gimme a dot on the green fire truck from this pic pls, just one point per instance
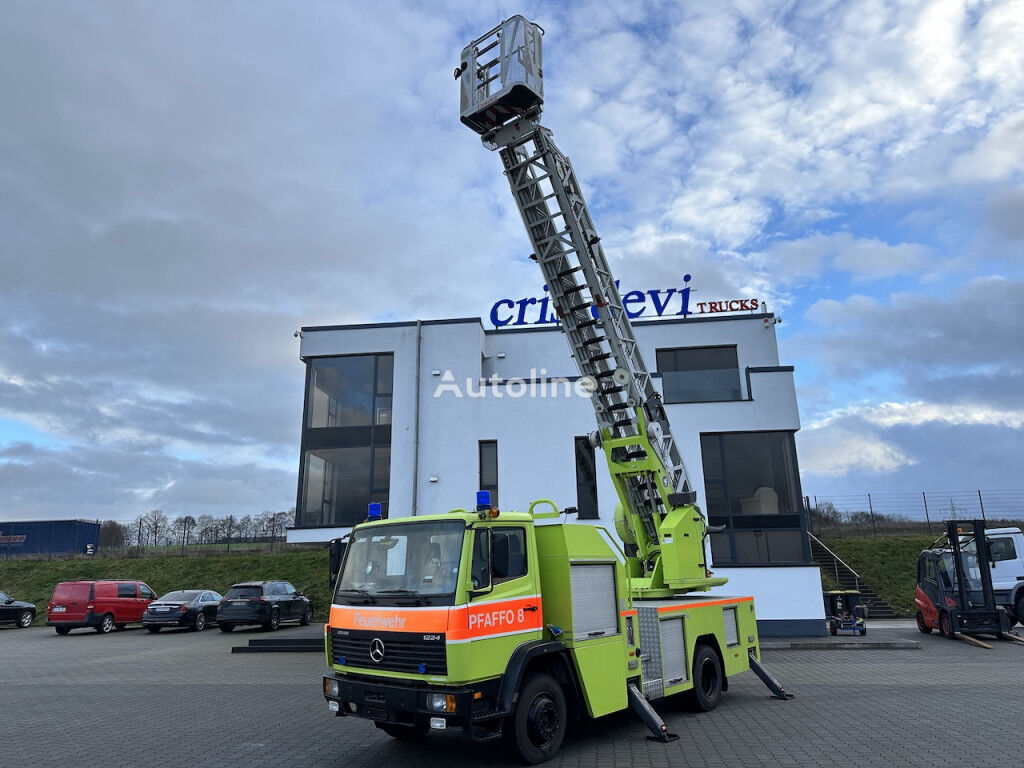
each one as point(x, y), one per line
point(511, 624)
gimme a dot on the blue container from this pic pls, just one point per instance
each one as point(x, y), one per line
point(50, 537)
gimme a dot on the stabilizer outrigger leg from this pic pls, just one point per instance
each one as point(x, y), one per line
point(646, 713)
point(773, 685)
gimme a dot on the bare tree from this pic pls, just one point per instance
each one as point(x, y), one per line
point(245, 526)
point(155, 523)
point(230, 524)
point(114, 535)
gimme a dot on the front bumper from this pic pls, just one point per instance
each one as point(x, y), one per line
point(401, 703)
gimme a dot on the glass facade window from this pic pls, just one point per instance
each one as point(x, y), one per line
point(346, 439)
point(752, 488)
point(699, 374)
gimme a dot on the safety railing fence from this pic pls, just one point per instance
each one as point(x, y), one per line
point(910, 512)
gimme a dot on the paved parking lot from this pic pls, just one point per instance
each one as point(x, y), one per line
point(181, 698)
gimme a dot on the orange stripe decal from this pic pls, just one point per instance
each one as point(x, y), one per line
point(708, 604)
point(500, 617)
point(389, 619)
point(459, 622)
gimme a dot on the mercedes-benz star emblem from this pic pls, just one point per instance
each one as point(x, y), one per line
point(377, 650)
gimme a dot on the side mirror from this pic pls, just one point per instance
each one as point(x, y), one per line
point(299, 594)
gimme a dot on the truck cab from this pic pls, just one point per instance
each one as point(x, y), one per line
point(1006, 550)
point(439, 621)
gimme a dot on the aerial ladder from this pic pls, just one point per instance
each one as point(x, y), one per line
point(502, 97)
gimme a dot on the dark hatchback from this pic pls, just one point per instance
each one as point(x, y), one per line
point(266, 603)
point(15, 611)
point(192, 608)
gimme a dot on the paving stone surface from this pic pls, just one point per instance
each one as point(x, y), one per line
point(182, 699)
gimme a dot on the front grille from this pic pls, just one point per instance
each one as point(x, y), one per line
point(403, 651)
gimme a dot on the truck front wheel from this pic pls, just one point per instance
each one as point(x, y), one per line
point(1019, 608)
point(537, 726)
point(707, 678)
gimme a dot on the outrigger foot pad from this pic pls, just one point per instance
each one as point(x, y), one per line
point(773, 685)
point(650, 718)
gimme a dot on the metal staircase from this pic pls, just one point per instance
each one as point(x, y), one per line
point(847, 578)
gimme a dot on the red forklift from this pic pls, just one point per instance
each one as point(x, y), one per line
point(954, 586)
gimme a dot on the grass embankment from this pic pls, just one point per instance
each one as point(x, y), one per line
point(34, 580)
point(887, 563)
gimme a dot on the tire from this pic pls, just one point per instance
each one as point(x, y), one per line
point(405, 732)
point(863, 631)
point(307, 616)
point(275, 621)
point(946, 624)
point(537, 726)
point(1018, 608)
point(62, 629)
point(707, 678)
point(106, 625)
point(200, 623)
point(832, 628)
point(226, 627)
point(922, 626)
point(153, 630)
point(25, 619)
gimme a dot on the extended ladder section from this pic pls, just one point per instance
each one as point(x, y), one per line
point(657, 513)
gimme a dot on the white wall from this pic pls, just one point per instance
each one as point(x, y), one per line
point(535, 435)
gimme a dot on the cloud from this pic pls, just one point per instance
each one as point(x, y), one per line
point(834, 452)
point(181, 189)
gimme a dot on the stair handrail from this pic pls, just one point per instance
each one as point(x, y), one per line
point(836, 560)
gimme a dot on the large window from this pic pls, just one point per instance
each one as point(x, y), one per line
point(489, 469)
point(586, 479)
point(346, 439)
point(751, 485)
point(699, 374)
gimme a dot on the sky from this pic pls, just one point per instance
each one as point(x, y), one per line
point(183, 185)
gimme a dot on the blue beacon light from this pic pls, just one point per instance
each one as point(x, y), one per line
point(483, 501)
point(373, 511)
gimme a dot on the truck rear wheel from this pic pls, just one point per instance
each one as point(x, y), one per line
point(537, 727)
point(707, 678)
point(1019, 608)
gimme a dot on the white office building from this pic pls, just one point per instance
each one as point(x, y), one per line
point(420, 415)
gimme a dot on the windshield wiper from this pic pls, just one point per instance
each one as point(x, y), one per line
point(356, 591)
point(411, 593)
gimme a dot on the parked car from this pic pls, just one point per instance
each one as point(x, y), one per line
point(266, 603)
point(194, 608)
point(102, 605)
point(16, 612)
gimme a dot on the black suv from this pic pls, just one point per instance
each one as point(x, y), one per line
point(266, 603)
point(15, 612)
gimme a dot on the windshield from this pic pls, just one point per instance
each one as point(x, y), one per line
point(181, 596)
point(247, 592)
point(404, 563)
point(3, 597)
point(948, 573)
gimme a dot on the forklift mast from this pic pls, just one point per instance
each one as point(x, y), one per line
point(973, 530)
point(502, 97)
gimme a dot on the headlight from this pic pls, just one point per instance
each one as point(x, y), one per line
point(441, 702)
point(330, 686)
